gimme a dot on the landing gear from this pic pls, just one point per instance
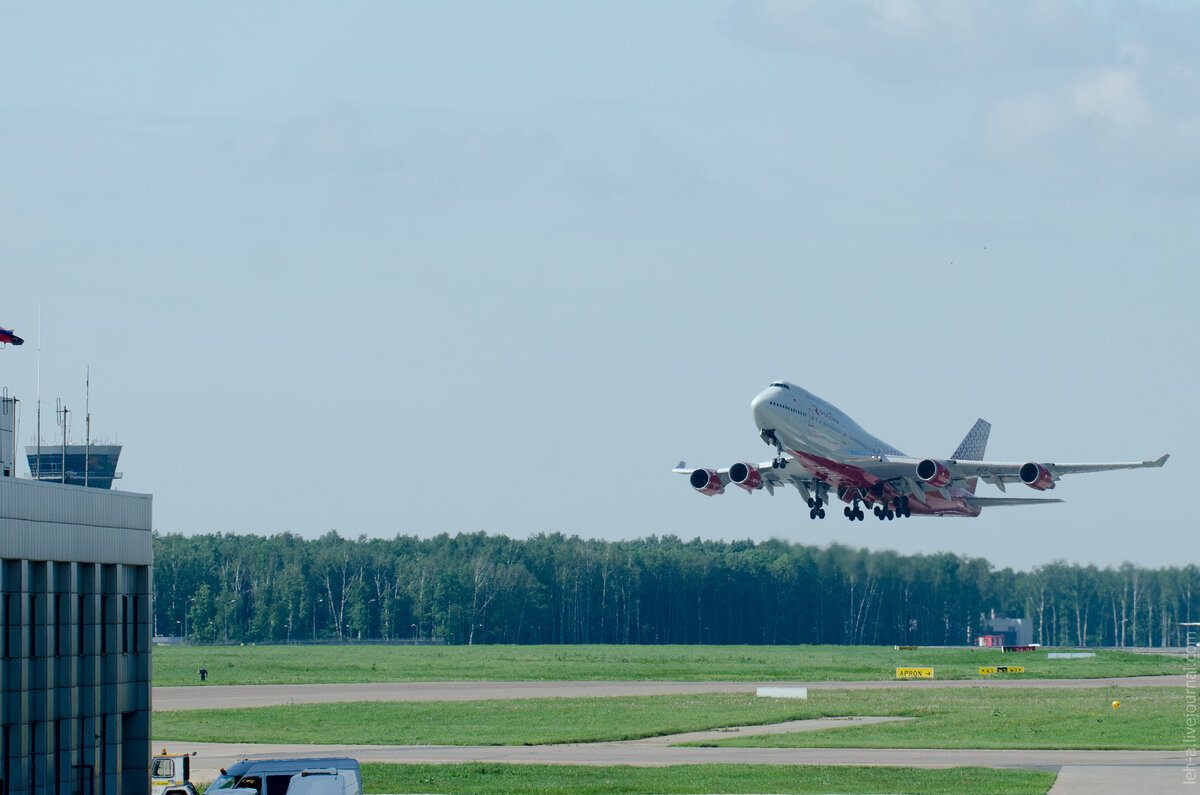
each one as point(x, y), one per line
point(816, 507)
point(901, 506)
point(768, 436)
point(854, 512)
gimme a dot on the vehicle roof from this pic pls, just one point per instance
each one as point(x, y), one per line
point(295, 765)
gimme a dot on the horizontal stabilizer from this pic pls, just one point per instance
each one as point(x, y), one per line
point(987, 502)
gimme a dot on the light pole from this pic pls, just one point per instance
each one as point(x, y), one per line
point(186, 609)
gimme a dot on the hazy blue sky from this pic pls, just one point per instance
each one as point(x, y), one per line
point(410, 268)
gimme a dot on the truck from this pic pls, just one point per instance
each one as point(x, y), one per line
point(170, 774)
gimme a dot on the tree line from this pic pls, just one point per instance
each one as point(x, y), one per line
point(479, 588)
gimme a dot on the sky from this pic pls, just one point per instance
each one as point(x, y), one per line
point(411, 268)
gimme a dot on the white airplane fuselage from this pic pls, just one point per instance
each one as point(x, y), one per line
point(825, 441)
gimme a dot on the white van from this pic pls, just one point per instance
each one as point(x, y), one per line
point(276, 777)
point(316, 782)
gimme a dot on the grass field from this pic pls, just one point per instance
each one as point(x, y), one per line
point(1149, 718)
point(565, 780)
point(944, 718)
point(244, 665)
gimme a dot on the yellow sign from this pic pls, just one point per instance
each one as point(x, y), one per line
point(914, 673)
point(1003, 669)
point(906, 648)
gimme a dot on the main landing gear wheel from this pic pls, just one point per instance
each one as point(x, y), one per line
point(853, 513)
point(816, 508)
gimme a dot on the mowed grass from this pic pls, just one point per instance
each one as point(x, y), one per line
point(977, 717)
point(253, 665)
point(492, 779)
point(515, 722)
point(1149, 718)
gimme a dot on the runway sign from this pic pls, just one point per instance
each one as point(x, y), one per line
point(1003, 669)
point(914, 673)
point(1020, 648)
point(906, 648)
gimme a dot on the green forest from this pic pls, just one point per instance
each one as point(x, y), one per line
point(479, 588)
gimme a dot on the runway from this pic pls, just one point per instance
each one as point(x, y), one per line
point(210, 756)
point(235, 696)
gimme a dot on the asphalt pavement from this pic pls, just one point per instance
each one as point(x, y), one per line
point(222, 696)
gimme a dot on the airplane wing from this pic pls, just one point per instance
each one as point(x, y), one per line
point(988, 502)
point(1040, 476)
point(771, 477)
point(1037, 474)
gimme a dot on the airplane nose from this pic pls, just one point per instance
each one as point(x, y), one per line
point(760, 408)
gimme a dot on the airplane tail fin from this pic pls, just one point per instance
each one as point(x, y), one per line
point(973, 446)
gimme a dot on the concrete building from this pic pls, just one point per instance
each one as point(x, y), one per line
point(74, 636)
point(1010, 631)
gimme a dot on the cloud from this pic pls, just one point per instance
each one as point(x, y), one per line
point(903, 39)
point(438, 155)
point(1113, 96)
point(1063, 77)
point(412, 153)
point(1016, 124)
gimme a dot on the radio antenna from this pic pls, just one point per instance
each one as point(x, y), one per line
point(37, 475)
point(62, 412)
point(87, 413)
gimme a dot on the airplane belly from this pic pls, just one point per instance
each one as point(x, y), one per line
point(834, 473)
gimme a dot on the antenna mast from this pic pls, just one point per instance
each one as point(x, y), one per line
point(37, 475)
point(62, 412)
point(87, 413)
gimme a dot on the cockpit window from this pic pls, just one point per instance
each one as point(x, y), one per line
point(780, 383)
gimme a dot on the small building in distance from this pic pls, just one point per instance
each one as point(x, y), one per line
point(1001, 631)
point(74, 634)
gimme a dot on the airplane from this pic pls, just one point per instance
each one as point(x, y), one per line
point(821, 451)
point(7, 335)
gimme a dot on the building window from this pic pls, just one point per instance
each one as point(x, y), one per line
point(80, 624)
point(9, 625)
point(37, 625)
point(62, 625)
point(105, 606)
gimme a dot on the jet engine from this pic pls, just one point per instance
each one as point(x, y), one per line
point(1036, 476)
point(935, 473)
point(746, 475)
point(706, 481)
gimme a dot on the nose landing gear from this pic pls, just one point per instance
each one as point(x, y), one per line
point(768, 436)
